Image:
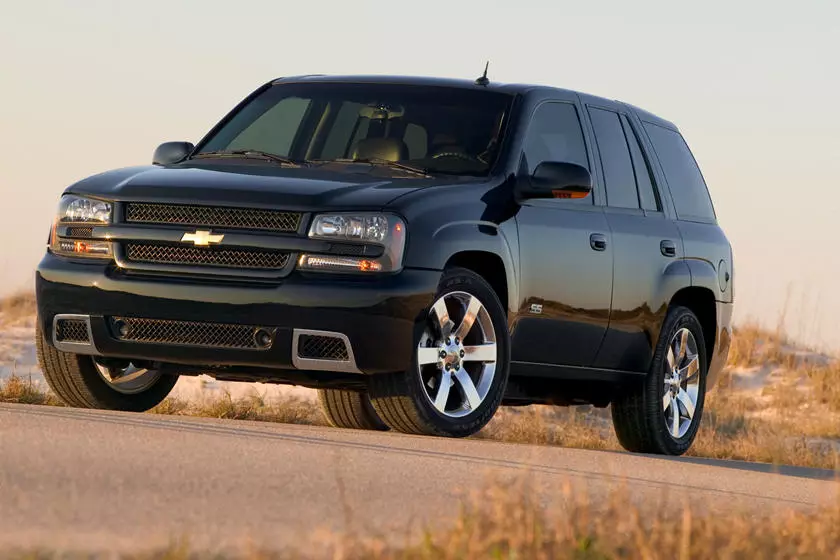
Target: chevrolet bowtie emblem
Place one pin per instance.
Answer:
(202, 237)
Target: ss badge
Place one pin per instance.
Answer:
(536, 308)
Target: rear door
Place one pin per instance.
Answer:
(565, 252)
(645, 240)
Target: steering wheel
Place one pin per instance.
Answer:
(457, 155)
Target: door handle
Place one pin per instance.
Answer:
(598, 241)
(668, 248)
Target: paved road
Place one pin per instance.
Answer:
(93, 480)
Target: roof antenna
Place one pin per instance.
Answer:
(483, 81)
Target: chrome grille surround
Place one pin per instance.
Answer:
(72, 330)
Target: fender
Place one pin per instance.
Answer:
(704, 275)
(474, 236)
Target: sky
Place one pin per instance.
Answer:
(91, 85)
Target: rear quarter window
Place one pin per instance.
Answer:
(688, 189)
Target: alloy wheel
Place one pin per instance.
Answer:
(682, 383)
(457, 354)
(128, 380)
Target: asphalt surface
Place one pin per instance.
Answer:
(89, 480)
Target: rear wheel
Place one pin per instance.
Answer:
(662, 415)
(82, 382)
(460, 367)
(349, 409)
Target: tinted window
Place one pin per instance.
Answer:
(615, 159)
(274, 130)
(688, 189)
(339, 141)
(644, 180)
(329, 121)
(417, 141)
(555, 134)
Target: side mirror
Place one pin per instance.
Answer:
(557, 179)
(171, 152)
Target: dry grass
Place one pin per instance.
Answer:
(731, 430)
(16, 389)
(826, 384)
(284, 409)
(582, 427)
(507, 520)
(17, 307)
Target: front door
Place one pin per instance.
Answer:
(565, 254)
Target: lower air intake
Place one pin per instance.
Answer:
(192, 333)
(319, 347)
(71, 330)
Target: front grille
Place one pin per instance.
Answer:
(255, 259)
(212, 216)
(317, 347)
(71, 330)
(192, 333)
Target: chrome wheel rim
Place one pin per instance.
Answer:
(129, 380)
(456, 356)
(682, 383)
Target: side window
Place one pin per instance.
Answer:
(274, 131)
(644, 180)
(688, 189)
(555, 134)
(619, 179)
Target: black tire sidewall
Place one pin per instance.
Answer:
(463, 280)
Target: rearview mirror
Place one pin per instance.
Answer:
(557, 179)
(171, 152)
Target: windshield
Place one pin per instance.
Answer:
(435, 129)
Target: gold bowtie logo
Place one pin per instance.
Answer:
(202, 237)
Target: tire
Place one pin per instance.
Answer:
(349, 409)
(77, 382)
(403, 399)
(643, 417)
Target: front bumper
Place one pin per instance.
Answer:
(379, 316)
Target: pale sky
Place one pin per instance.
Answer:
(754, 86)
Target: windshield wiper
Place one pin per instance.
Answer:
(258, 154)
(385, 163)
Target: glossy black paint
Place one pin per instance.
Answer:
(587, 285)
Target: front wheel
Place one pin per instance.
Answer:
(460, 366)
(662, 414)
(80, 381)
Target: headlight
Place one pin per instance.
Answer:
(386, 230)
(75, 241)
(76, 210)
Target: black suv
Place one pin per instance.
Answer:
(421, 251)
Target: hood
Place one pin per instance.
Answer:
(243, 184)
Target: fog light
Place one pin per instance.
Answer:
(338, 264)
(262, 338)
(85, 248)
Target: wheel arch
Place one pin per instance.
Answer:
(701, 301)
(489, 266)
(484, 247)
